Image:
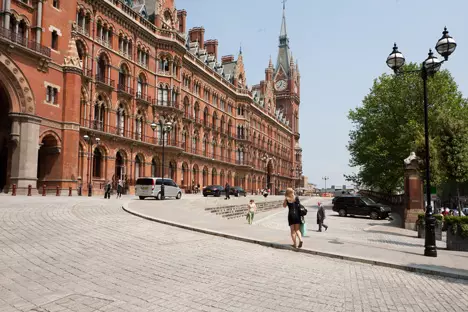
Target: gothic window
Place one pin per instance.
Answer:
(121, 120)
(51, 95)
(205, 146)
(184, 139)
(99, 113)
(97, 163)
(194, 144)
(139, 127)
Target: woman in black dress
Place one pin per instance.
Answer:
(294, 218)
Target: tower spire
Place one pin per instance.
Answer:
(284, 54)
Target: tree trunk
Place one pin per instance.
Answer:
(458, 200)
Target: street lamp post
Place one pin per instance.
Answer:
(445, 47)
(325, 179)
(166, 127)
(90, 142)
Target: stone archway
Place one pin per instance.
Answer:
(19, 129)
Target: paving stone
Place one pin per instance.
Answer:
(83, 254)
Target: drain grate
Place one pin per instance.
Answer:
(74, 303)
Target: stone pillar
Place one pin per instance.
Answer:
(71, 116)
(413, 191)
(39, 21)
(24, 156)
(6, 12)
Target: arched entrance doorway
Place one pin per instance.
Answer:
(119, 166)
(5, 131)
(47, 159)
(185, 175)
(195, 177)
(205, 176)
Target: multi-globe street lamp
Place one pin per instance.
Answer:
(166, 127)
(91, 141)
(325, 179)
(445, 47)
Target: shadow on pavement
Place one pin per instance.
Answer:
(391, 233)
(442, 268)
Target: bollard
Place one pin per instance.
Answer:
(29, 189)
(80, 190)
(90, 190)
(44, 190)
(13, 190)
(57, 192)
(70, 191)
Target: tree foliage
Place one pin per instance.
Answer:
(390, 125)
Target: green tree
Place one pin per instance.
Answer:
(390, 124)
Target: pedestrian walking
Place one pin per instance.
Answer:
(321, 217)
(252, 209)
(294, 217)
(119, 188)
(227, 189)
(107, 189)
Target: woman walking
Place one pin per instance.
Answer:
(119, 188)
(294, 217)
(252, 210)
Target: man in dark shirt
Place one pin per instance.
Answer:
(227, 189)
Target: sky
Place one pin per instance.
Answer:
(341, 47)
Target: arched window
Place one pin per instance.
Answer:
(97, 163)
(194, 144)
(205, 146)
(82, 22)
(141, 86)
(213, 149)
(138, 126)
(184, 140)
(205, 116)
(99, 114)
(222, 152)
(121, 120)
(124, 78)
(103, 69)
(138, 167)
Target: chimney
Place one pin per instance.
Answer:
(211, 47)
(198, 34)
(182, 17)
(227, 59)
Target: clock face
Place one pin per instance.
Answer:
(280, 85)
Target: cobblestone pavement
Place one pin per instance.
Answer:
(81, 254)
(351, 229)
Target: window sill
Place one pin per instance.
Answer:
(51, 104)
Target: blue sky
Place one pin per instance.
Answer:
(341, 46)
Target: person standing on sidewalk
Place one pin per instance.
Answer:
(227, 189)
(119, 188)
(107, 190)
(321, 217)
(252, 209)
(294, 217)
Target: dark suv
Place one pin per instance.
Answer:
(360, 206)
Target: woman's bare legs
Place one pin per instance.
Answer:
(293, 235)
(297, 231)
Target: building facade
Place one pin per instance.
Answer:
(87, 88)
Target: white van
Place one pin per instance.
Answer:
(151, 187)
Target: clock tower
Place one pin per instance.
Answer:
(286, 80)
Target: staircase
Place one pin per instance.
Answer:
(237, 211)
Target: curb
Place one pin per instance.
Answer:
(305, 251)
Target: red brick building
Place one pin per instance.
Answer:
(85, 85)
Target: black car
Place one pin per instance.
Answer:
(237, 191)
(215, 190)
(360, 206)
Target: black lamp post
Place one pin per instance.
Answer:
(445, 47)
(325, 179)
(166, 127)
(90, 142)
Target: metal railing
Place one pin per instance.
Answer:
(105, 80)
(23, 41)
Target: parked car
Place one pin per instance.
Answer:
(237, 191)
(360, 206)
(282, 192)
(151, 187)
(215, 190)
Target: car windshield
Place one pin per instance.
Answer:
(368, 201)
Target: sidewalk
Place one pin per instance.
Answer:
(399, 250)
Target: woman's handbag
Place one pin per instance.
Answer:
(302, 209)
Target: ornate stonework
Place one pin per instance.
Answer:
(24, 102)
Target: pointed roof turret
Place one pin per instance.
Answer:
(270, 64)
(284, 53)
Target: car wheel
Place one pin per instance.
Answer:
(342, 213)
(374, 215)
(237, 195)
(179, 195)
(204, 195)
(142, 197)
(217, 194)
(158, 197)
